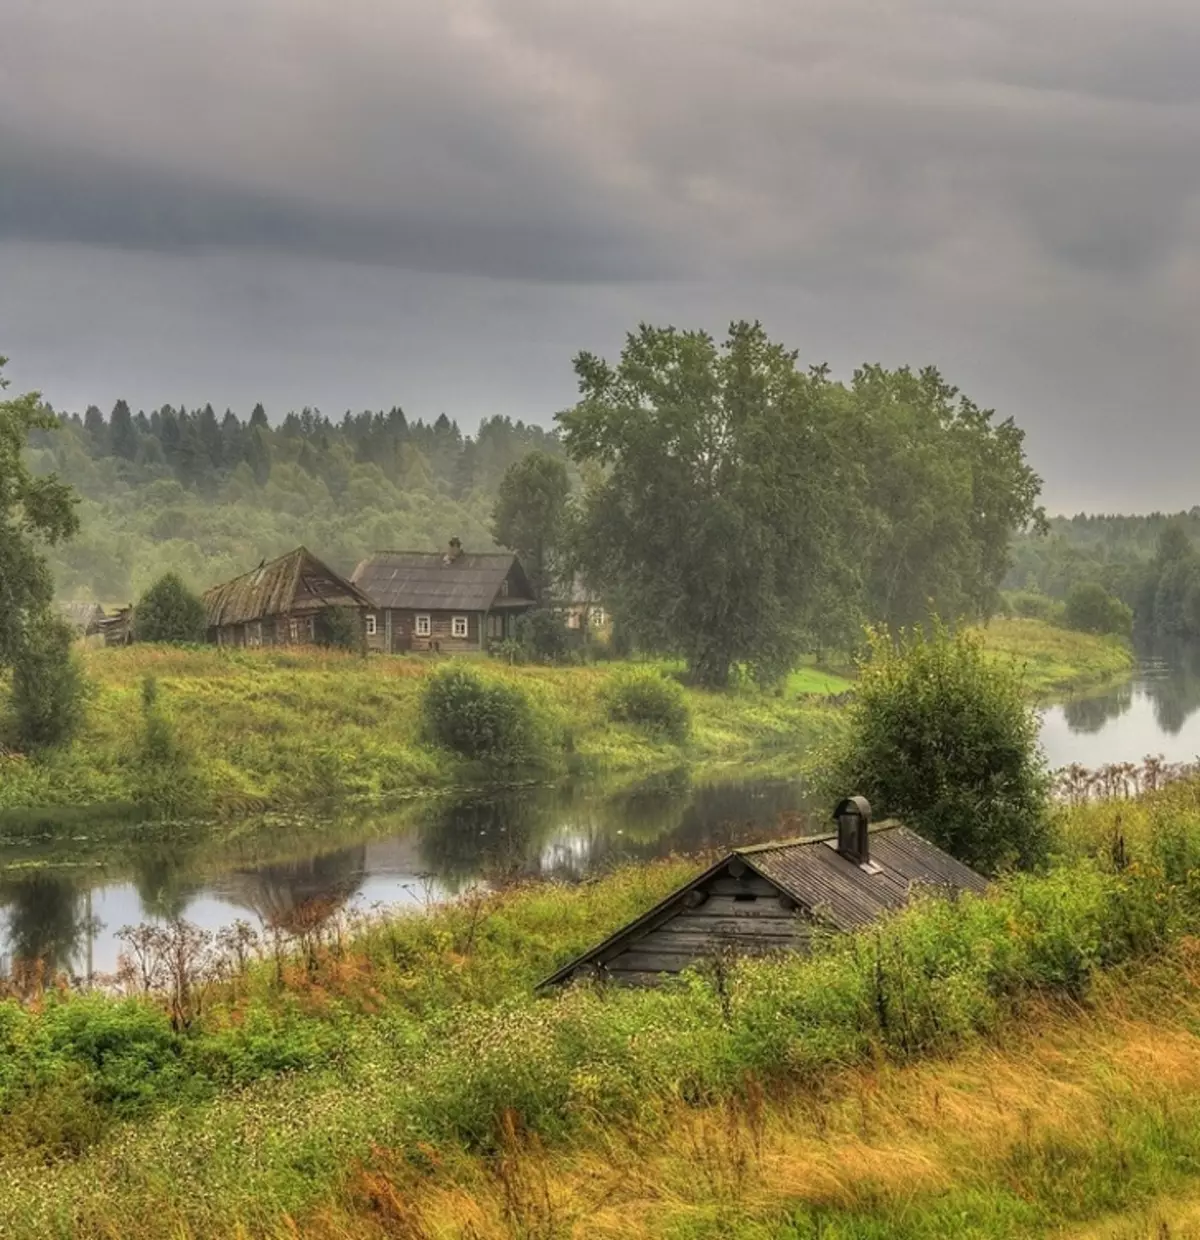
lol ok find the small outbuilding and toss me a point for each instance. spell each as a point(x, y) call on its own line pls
point(772, 897)
point(84, 618)
point(452, 601)
point(280, 602)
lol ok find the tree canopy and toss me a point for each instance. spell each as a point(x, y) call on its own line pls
point(741, 509)
point(169, 612)
point(530, 517)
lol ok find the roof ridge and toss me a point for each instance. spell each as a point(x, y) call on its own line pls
point(410, 551)
point(885, 824)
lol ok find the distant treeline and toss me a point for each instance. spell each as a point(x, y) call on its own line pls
point(208, 494)
point(1150, 563)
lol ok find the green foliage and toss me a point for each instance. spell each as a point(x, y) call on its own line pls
point(941, 736)
point(542, 635)
point(1033, 605)
point(35, 513)
point(169, 612)
point(479, 718)
point(650, 700)
point(530, 517)
point(48, 686)
point(167, 781)
point(1091, 609)
point(340, 628)
point(740, 510)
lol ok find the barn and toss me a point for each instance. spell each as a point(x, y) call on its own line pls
point(281, 602)
point(773, 897)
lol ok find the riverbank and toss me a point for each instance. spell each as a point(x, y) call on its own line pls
point(265, 730)
point(269, 729)
point(997, 1067)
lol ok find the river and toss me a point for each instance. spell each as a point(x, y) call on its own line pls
point(423, 851)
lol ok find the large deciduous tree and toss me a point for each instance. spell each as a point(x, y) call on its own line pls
point(718, 526)
point(530, 514)
point(34, 512)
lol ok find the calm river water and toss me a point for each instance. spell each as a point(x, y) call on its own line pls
point(421, 852)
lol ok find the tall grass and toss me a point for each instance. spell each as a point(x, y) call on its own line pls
point(354, 1073)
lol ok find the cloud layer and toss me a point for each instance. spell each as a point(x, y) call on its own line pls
point(1008, 188)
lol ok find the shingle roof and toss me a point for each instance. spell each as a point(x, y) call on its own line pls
point(271, 590)
point(839, 890)
point(822, 881)
point(428, 581)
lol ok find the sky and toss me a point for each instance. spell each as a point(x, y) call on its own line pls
point(438, 203)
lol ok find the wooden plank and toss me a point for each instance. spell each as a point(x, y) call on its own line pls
point(730, 906)
point(651, 962)
point(703, 942)
point(752, 884)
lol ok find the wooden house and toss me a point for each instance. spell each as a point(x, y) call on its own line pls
point(453, 601)
point(279, 603)
point(773, 897)
point(117, 629)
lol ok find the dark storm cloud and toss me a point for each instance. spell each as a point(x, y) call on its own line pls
point(1007, 187)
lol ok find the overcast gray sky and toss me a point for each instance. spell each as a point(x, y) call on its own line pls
point(436, 203)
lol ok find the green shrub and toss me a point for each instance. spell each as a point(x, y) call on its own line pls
point(48, 688)
point(1091, 609)
point(941, 737)
point(339, 628)
point(1030, 605)
point(478, 718)
point(169, 612)
point(167, 780)
point(651, 701)
point(543, 635)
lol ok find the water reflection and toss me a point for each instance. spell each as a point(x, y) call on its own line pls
point(1156, 712)
point(295, 896)
point(46, 923)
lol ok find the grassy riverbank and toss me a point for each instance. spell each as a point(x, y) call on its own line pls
point(277, 730)
point(1005, 1066)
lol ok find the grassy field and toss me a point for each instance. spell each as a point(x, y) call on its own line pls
point(1016, 1066)
point(259, 730)
point(1055, 661)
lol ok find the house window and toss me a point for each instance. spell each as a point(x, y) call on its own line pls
point(371, 626)
point(596, 616)
point(572, 619)
point(293, 630)
point(496, 624)
point(424, 627)
point(458, 626)
point(504, 588)
point(310, 625)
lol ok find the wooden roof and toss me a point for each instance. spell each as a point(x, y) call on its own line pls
point(296, 581)
point(822, 883)
point(432, 581)
point(84, 617)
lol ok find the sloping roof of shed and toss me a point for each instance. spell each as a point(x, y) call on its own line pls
point(85, 617)
point(427, 581)
point(270, 590)
point(821, 880)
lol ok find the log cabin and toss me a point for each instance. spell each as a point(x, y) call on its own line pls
point(452, 601)
point(280, 603)
point(773, 898)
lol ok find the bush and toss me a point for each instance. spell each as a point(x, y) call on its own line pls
point(941, 737)
point(167, 779)
point(542, 635)
point(339, 628)
point(48, 688)
point(1030, 605)
point(649, 700)
point(479, 719)
point(169, 612)
point(1091, 609)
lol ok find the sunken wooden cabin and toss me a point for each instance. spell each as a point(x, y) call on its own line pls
point(279, 603)
point(450, 601)
point(772, 897)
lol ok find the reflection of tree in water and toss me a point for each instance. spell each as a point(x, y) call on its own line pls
point(296, 896)
point(1090, 714)
point(46, 921)
point(1177, 696)
point(569, 831)
point(164, 883)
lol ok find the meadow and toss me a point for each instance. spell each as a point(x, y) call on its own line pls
point(1021, 1064)
point(244, 731)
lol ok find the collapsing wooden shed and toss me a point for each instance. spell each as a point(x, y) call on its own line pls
point(772, 897)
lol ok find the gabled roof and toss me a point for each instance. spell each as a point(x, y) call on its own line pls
point(821, 881)
point(274, 588)
point(431, 581)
